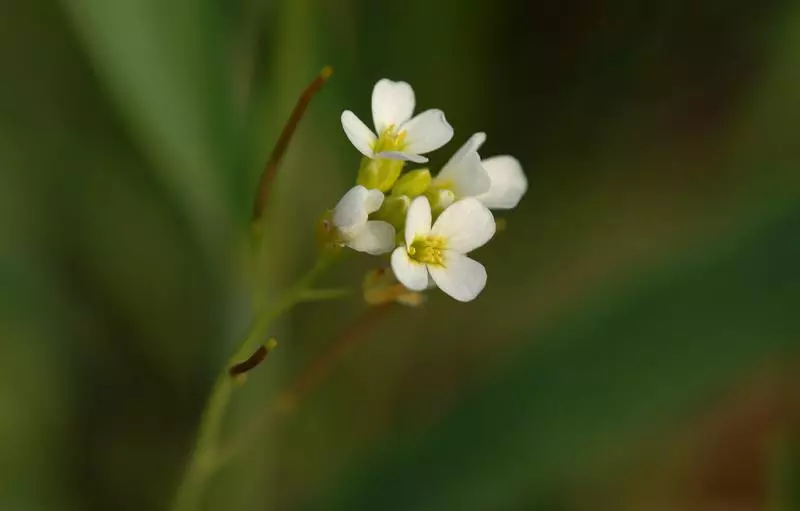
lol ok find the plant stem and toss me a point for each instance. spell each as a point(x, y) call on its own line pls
point(203, 462)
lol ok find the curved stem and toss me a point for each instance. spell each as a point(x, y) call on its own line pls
point(271, 169)
point(203, 461)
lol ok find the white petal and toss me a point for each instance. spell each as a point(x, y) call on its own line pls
point(358, 133)
point(508, 182)
point(373, 201)
point(392, 103)
point(472, 145)
point(350, 214)
point(466, 175)
point(460, 277)
point(431, 282)
point(396, 155)
point(427, 132)
point(444, 198)
point(418, 219)
point(410, 273)
point(375, 238)
point(466, 225)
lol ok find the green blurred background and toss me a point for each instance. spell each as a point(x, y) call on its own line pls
point(635, 348)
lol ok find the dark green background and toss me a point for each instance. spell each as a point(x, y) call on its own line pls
point(641, 314)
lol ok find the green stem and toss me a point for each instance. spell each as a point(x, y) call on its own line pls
point(204, 462)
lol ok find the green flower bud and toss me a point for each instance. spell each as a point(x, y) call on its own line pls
point(440, 199)
point(412, 183)
point(393, 210)
point(379, 174)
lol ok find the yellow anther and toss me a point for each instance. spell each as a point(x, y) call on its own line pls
point(428, 250)
point(381, 173)
point(390, 140)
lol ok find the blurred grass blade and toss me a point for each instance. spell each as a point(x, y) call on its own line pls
point(163, 63)
point(593, 385)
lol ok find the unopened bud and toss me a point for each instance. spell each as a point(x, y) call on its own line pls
point(440, 199)
point(413, 183)
point(381, 287)
point(379, 174)
point(393, 210)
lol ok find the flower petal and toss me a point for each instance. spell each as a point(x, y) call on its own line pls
point(465, 174)
point(376, 237)
point(460, 277)
point(350, 214)
point(443, 199)
point(397, 155)
point(392, 103)
point(373, 201)
point(427, 132)
point(466, 225)
point(358, 133)
point(418, 219)
point(472, 145)
point(410, 273)
point(508, 182)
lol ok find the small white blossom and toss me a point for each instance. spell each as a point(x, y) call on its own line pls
point(498, 182)
point(399, 136)
point(350, 217)
point(439, 251)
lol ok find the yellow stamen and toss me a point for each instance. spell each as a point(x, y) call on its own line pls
point(428, 250)
point(390, 140)
point(382, 173)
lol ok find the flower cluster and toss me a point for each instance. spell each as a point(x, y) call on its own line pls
point(428, 223)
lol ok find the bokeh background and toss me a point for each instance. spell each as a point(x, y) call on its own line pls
point(635, 348)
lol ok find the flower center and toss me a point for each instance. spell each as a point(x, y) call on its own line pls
point(390, 140)
point(428, 250)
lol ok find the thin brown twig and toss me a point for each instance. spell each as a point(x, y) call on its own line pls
point(239, 369)
point(274, 162)
point(249, 364)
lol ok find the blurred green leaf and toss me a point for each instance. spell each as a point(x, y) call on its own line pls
point(164, 64)
point(596, 382)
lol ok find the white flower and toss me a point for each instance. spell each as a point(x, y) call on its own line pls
point(498, 182)
point(399, 136)
point(439, 251)
point(350, 219)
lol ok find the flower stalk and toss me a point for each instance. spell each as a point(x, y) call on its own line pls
point(424, 223)
point(204, 459)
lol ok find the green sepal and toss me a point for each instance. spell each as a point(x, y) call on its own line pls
point(413, 183)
